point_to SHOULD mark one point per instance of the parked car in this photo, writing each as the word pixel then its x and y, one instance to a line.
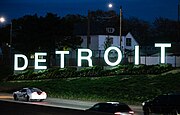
pixel 116 108
pixel 28 94
pixel 164 104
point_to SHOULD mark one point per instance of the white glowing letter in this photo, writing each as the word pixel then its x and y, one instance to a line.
pixel 119 56
pixel 162 45
pixel 16 56
pixel 37 60
pixel 88 58
pixel 136 55
pixel 62 53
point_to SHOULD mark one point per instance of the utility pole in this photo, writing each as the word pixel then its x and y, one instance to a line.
pixel 88 29
pixel 178 23
pixel 120 27
pixel 10 41
pixel 10 45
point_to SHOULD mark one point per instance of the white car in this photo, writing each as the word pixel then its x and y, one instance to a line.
pixel 28 94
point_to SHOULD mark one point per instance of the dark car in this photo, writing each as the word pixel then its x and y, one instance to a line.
pixel 164 104
pixel 114 108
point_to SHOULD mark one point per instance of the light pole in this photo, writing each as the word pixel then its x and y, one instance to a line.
pixel 10 40
pixel 110 5
pixel 178 22
pixel 88 29
pixel 120 26
pixel 10 44
pixel 2 20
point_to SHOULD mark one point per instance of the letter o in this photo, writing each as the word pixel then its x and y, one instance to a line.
pixel 119 56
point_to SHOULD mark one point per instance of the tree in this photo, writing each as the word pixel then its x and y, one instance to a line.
pixel 165 30
pixel 5 35
pixel 140 29
pixel 26 33
pixel 32 33
pixel 68 38
pixel 102 16
pixel 107 43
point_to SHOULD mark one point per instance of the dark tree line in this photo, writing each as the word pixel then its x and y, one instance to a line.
pixel 146 33
pixel 33 33
pixel 36 33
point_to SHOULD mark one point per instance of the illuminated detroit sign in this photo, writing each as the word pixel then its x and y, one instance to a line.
pixel 88 57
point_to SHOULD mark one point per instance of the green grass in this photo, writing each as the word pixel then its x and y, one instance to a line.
pixel 129 89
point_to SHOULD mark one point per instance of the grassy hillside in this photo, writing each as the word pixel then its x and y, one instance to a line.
pixel 127 88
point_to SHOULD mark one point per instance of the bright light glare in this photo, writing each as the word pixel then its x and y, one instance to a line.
pixel 110 5
pixel 2 19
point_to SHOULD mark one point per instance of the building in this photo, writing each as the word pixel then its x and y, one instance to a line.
pixel 102 42
pixel 98 44
pixel 149 55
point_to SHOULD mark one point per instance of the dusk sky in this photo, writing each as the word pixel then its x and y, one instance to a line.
pixel 143 9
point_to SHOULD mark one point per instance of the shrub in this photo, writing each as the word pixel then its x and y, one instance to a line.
pixel 91 71
pixel 140 69
pixel 95 71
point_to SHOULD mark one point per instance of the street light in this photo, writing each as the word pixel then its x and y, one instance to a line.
pixel 2 19
pixel 110 5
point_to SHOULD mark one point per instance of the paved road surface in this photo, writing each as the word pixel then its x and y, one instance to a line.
pixel 64 103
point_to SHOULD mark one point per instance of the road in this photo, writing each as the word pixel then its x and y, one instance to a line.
pixel 64 103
